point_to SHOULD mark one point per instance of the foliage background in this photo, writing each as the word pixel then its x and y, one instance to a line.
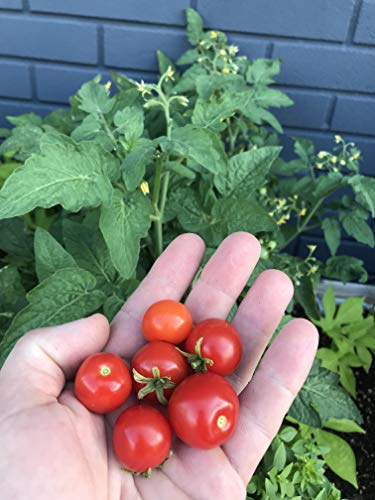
pixel 328 65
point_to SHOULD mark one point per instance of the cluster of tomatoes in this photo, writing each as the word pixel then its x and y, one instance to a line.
pixel 202 407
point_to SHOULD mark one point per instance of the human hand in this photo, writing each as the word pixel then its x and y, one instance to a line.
pixel 54 448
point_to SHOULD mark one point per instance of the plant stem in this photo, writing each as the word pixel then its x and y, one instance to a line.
pixel 306 221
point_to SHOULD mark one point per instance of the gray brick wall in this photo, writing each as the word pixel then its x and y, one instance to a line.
pixel 49 48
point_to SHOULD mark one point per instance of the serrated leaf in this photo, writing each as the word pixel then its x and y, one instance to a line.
pixel 262 71
pixel 123 222
pixel 345 268
pixel 164 62
pixel 259 115
pixel 340 458
pixel 199 145
pixel 64 174
pixel 16 239
pixel 321 398
pixel 326 184
pixel 268 97
pixel 194 26
pixel 349 310
pixel 329 305
pixel 211 114
pixel 12 295
pixel 305 295
pixel 94 98
pixel 50 256
pixel 188 57
pixel 332 234
pixel 347 378
pixel 23 142
pixel 188 81
pixel 67 295
pixel 247 171
pixel 364 187
pixel 129 121
pixel 87 246
pixel 25 120
pixel 60 120
pixel 134 165
pixel 358 228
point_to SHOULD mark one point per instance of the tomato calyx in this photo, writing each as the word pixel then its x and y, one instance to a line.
pixel 148 472
pixel 156 384
pixel 197 361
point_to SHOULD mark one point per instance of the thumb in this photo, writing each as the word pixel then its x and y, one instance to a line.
pixel 43 359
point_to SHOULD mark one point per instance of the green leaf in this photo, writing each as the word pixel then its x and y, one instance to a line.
pixel 332 234
pixel 329 305
pixel 130 122
pixel 329 358
pixel 364 187
pixel 94 98
pixel 16 239
pixel 91 129
pixel 321 398
pixel 12 295
pixel 279 458
pixel 50 256
pixel 247 171
pixel 347 378
pixel 262 71
pixel 64 174
pixel 25 120
pixel 199 145
pixel 24 141
pixel 287 433
pixel 134 165
pixel 211 114
pixel 304 148
pixel 358 228
pixel 188 57
pixel 327 184
pixel 188 80
pixel 345 268
pixel 305 295
pixel 87 246
pixel 340 458
pixel 343 425
pixel 194 26
pixel 164 62
pixel 60 120
pixel 67 295
pixel 259 115
pixel 123 222
pixel 268 97
pixel 350 309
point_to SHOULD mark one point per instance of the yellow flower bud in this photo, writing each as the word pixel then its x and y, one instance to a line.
pixel 334 159
pixel 281 221
pixel 281 202
pixel 356 155
pixel 338 139
pixel 213 34
pixel 342 162
pixel 225 71
pixel 312 248
pixel 303 211
pixel 144 187
pixel 322 154
pixel 108 86
pixel 319 166
pixel 222 52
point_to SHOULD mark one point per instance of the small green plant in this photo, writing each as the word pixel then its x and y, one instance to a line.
pixel 293 468
pixel 352 337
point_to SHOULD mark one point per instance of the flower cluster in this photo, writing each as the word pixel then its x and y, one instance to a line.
pixel 282 209
pixel 346 156
pixel 217 55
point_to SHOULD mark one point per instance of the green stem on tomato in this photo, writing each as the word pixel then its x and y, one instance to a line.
pixel 306 221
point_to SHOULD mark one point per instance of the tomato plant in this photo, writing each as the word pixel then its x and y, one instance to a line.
pixel 167 320
pixel 157 368
pixel 141 438
pixel 203 410
pixel 103 382
pixel 214 345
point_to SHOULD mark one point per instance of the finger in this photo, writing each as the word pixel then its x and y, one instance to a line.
pixel 257 318
pixel 224 277
pixel 168 278
pixel 266 400
pixel 43 359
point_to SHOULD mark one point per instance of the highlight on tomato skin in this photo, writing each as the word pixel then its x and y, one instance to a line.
pixel 203 410
pixel 103 382
pixel 167 320
pixel 158 367
pixel 142 438
pixel 214 345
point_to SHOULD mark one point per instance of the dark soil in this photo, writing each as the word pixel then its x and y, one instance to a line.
pixel 362 444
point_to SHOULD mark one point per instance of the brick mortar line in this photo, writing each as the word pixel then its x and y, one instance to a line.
pixel 178 27
pixel 352 28
pixel 330 112
pixel 356 135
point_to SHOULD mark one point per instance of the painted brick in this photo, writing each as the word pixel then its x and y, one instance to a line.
pixel 354 114
pixel 8 108
pixel 325 142
pixel 48 39
pixel 317 19
pixel 249 47
pixel 309 109
pixel 365 32
pixel 11 4
pixel 15 80
pixel 56 84
pixel 162 11
pixel 326 66
pixel 135 47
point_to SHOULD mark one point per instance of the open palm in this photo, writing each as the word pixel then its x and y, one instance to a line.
pixel 52 447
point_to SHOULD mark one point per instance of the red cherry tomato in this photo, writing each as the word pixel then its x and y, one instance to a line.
pixel 159 367
pixel 142 438
pixel 167 320
pixel 103 382
pixel 203 410
pixel 220 349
